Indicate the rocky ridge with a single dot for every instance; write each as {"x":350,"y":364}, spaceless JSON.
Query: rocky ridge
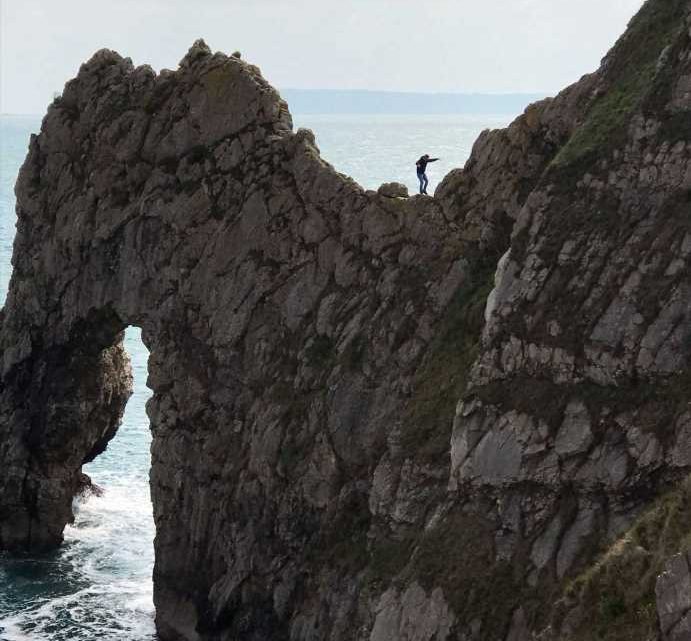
{"x":311,"y":343}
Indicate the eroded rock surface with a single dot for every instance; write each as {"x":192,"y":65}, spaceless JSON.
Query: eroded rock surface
{"x":374,"y":417}
{"x":285,"y":310}
{"x":577,"y":405}
{"x":673,"y":592}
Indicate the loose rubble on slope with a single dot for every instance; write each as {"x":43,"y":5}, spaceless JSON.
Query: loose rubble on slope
{"x":375,"y":417}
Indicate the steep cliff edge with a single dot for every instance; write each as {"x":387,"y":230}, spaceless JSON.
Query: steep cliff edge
{"x":311,"y":343}
{"x":577,"y":412}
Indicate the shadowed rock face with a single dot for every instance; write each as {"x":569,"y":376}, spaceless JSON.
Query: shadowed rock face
{"x":310,"y":343}
{"x":285,"y":310}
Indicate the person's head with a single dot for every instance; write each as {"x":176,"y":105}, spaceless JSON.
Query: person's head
{"x":426,"y":156}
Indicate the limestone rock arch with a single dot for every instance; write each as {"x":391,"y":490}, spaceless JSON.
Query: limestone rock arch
{"x":285,"y":310}
{"x":310,"y":342}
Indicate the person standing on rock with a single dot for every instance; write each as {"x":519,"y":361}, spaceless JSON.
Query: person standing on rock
{"x":421,"y":165}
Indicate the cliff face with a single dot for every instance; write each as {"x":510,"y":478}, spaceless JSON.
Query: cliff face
{"x":577,"y":412}
{"x":311,"y":344}
{"x":285,"y":310}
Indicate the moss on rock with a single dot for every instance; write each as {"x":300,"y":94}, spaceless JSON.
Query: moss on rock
{"x":632,"y":67}
{"x":616,"y":595}
{"x":442,"y":378}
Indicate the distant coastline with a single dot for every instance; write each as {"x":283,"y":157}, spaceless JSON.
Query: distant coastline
{"x":362,"y":101}
{"x":337,"y":101}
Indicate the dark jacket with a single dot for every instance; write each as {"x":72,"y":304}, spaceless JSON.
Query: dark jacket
{"x":421,"y":164}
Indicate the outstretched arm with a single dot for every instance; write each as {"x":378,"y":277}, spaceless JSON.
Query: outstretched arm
{"x":433,"y":160}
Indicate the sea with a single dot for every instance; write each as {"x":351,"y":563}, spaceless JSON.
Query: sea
{"x":98,"y":584}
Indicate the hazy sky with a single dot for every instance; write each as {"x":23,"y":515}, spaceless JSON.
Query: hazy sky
{"x":493,"y":46}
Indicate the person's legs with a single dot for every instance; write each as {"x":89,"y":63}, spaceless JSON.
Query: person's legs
{"x":421,"y":177}
{"x":424,"y":188}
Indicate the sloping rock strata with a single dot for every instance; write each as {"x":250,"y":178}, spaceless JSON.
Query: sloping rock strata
{"x":374,"y":417}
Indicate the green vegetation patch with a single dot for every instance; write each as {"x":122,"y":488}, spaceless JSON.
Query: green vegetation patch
{"x":458,"y":555}
{"x":632,"y":67}
{"x":321,"y":352}
{"x":657,"y":403}
{"x":617,"y":594}
{"x":388,"y":558}
{"x":442,"y":378}
{"x":605,"y":127}
{"x":342,"y":543}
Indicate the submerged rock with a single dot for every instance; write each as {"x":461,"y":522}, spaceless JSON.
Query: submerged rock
{"x":87,"y":488}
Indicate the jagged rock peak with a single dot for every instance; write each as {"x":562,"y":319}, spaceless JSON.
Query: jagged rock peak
{"x":104,"y":58}
{"x":198,"y":51}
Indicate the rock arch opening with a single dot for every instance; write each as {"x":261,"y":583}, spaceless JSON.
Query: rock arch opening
{"x":115,"y":531}
{"x":99,"y":582}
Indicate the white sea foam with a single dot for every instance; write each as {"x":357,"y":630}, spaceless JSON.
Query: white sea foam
{"x":98,"y":585}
